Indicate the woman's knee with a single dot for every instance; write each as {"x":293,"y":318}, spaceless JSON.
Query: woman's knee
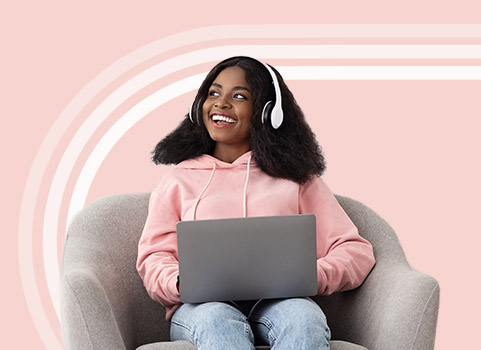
{"x":304,"y":313}
{"x":213,"y":325}
{"x":205,"y":314}
{"x":300,"y":316}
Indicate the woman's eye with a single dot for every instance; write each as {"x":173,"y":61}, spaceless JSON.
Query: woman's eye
{"x":213,"y":93}
{"x":240,"y":96}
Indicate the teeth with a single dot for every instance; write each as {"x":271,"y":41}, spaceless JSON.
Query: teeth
{"x":217,"y":118}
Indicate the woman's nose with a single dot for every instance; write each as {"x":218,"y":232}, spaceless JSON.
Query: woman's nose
{"x":221,"y":102}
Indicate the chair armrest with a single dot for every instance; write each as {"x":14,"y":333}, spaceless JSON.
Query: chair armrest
{"x":88,"y":322}
{"x":101,"y":247}
{"x":404,"y":309}
{"x":395,"y":308}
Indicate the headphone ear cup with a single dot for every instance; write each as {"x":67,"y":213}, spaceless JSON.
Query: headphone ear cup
{"x":190,"y":113}
{"x":266,"y":112}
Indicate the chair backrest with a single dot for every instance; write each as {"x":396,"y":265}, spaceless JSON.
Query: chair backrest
{"x":103,"y":238}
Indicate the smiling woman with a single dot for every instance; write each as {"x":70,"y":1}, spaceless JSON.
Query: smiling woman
{"x":231,"y":162}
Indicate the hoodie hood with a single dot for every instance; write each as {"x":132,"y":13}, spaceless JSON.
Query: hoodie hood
{"x":209,"y":162}
{"x":206,"y":162}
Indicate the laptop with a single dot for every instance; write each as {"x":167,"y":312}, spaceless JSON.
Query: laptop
{"x":247,"y":258}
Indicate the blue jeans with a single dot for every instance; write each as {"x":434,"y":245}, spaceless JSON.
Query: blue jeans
{"x":284,"y":324}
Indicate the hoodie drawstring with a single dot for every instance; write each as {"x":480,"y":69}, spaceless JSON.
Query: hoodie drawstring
{"x":245,"y":186}
{"x":244,"y":203}
{"x":202,"y":192}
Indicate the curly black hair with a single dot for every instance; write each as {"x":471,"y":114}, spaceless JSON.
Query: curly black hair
{"x":289,"y":152}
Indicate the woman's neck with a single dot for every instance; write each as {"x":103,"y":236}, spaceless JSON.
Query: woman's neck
{"x":228,"y":153}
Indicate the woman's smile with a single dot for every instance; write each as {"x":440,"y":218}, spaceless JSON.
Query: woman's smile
{"x":221,"y":120}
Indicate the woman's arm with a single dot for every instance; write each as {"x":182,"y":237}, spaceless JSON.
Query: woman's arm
{"x":157,"y":261}
{"x":344,"y":257}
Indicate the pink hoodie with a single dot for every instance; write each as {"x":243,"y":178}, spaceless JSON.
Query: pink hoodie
{"x":207,"y":188}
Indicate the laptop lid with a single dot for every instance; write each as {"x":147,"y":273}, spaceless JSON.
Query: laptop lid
{"x":247,"y":258}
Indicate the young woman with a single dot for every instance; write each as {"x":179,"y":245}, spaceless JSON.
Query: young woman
{"x":234,"y":159}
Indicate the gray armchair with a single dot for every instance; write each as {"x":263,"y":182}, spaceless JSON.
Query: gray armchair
{"x":105,"y":306}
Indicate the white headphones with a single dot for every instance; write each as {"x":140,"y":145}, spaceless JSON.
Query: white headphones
{"x":270,"y":111}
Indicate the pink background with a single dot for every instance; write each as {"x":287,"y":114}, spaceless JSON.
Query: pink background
{"x":409,"y":149}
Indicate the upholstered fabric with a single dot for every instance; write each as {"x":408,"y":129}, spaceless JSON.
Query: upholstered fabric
{"x":184,"y":345}
{"x":105,"y":306}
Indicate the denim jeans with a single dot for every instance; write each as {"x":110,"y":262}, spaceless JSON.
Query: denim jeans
{"x":284,"y":324}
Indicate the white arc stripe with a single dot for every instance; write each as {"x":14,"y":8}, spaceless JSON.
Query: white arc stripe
{"x":215,"y":54}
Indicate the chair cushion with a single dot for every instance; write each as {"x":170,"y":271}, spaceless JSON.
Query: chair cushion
{"x":174,"y":345}
{"x":185,"y":345}
{"x":344,"y":345}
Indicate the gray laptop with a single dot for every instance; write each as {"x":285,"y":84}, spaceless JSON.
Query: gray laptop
{"x":247,"y":258}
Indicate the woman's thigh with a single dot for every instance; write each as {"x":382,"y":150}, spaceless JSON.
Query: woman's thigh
{"x":211,"y":326}
{"x":294,"y":323}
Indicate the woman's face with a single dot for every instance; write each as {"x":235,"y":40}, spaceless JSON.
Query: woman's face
{"x":228,"y":109}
